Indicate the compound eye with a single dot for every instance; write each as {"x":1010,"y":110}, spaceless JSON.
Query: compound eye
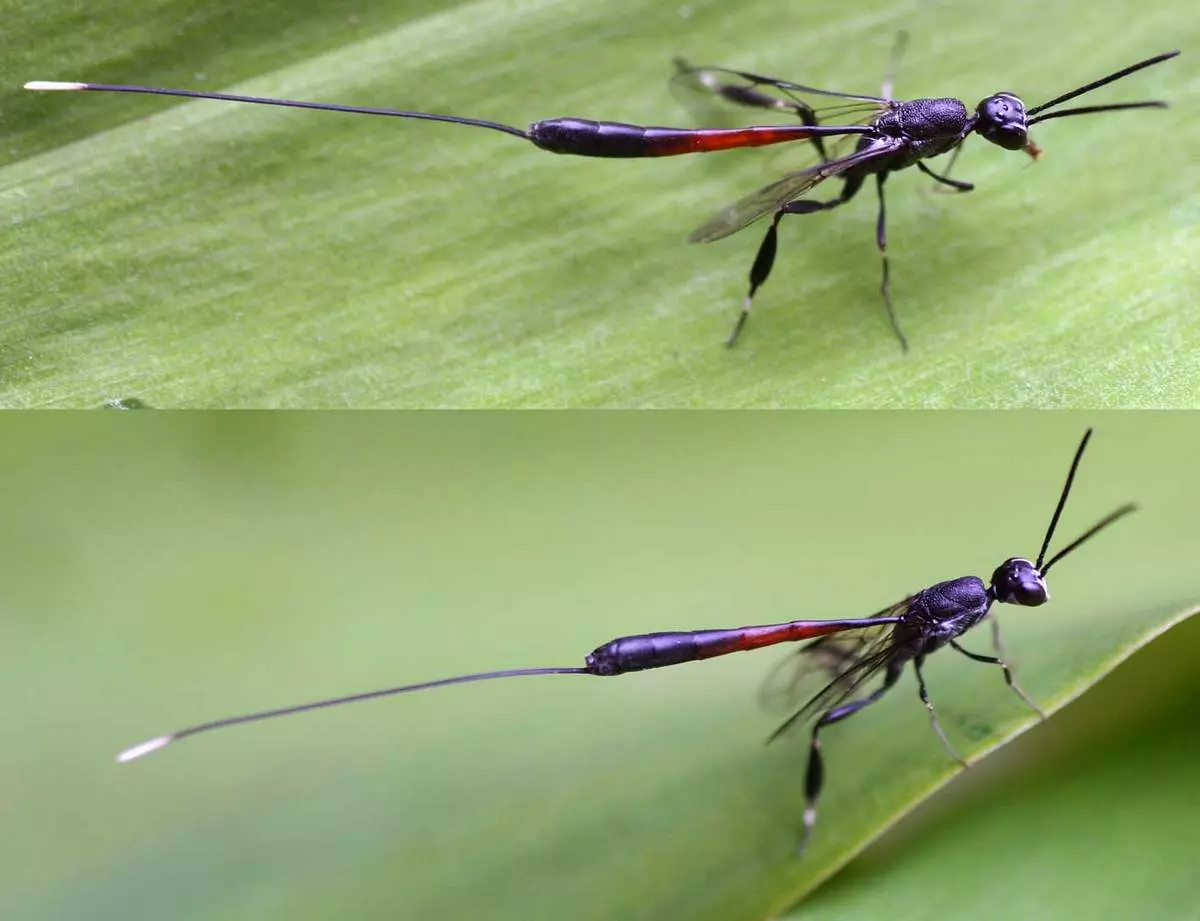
{"x":1031,"y":592}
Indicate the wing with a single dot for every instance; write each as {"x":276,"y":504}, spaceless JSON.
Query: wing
{"x":749,"y":90}
{"x":849,"y":661}
{"x":774,"y":196}
{"x":829,"y":657}
{"x":698,"y":87}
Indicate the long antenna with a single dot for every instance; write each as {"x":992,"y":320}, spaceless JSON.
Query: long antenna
{"x":1103,"y":81}
{"x":1062,"y":499}
{"x":45,"y":86}
{"x":144,"y":748}
{"x":1100,"y":525}
{"x":1088,"y":110}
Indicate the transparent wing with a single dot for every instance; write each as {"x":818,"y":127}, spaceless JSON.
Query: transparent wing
{"x":848,"y":664}
{"x":691,"y":84}
{"x":771,"y":198}
{"x":712,"y":93}
{"x":829,"y":658}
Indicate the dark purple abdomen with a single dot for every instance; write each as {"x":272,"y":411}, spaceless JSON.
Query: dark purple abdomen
{"x":586,"y":138}
{"x":583,"y":137}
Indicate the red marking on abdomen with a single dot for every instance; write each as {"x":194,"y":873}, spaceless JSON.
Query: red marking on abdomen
{"x":667,"y":142}
{"x":758,"y":637}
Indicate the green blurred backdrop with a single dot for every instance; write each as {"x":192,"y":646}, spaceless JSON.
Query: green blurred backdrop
{"x":207,"y":255}
{"x":162,"y":570}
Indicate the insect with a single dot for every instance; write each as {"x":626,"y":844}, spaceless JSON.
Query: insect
{"x":891,"y":136}
{"x":851,"y":652}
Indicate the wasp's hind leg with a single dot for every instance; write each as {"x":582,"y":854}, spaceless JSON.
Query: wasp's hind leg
{"x":765,"y":260}
{"x":814,"y":775}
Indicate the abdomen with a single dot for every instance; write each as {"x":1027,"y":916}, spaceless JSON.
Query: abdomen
{"x":582,"y":137}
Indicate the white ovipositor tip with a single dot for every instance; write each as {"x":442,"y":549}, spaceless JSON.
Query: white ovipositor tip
{"x":144,"y":749}
{"x":51,"y":85}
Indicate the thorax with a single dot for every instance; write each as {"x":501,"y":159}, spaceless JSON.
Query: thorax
{"x":947,"y":610}
{"x":930,"y":126}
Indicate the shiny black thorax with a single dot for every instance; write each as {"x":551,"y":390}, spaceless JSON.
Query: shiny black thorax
{"x":941,"y":613}
{"x":929,"y":127}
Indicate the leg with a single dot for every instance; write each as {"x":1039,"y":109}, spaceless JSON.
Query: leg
{"x":814,"y":775}
{"x":945,"y":179}
{"x":995,"y":660}
{"x":881,"y":241}
{"x":937,"y":727}
{"x":765,"y":259}
{"x":997,"y":642}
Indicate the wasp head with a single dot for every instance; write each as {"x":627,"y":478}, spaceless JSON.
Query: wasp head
{"x":1018,"y":581}
{"x":1001,"y":120}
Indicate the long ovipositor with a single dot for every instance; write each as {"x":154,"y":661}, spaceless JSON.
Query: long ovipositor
{"x":624,"y":654}
{"x":581,"y":137}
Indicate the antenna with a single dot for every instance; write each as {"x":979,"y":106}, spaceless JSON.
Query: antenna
{"x":1087,"y":110}
{"x":1096,"y":84}
{"x":1100,"y":525}
{"x":1062,"y":501}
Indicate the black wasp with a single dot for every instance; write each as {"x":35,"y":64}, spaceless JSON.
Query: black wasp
{"x":891,"y":136}
{"x":851,"y":651}
{"x":899,"y":134}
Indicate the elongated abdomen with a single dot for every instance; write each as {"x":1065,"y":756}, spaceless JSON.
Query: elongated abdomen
{"x":584,"y":138}
{"x":656,"y":650}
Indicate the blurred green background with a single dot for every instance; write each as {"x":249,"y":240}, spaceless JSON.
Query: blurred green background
{"x":215,"y":255}
{"x":163,"y":570}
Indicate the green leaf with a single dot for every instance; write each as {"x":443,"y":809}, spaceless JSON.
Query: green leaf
{"x":165,"y":569}
{"x":207,"y":254}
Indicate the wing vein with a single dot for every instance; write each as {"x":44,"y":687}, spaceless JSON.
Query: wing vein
{"x":772,"y":197}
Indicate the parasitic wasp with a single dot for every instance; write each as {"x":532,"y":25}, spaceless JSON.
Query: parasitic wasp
{"x":890,"y":134}
{"x":850,"y":652}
